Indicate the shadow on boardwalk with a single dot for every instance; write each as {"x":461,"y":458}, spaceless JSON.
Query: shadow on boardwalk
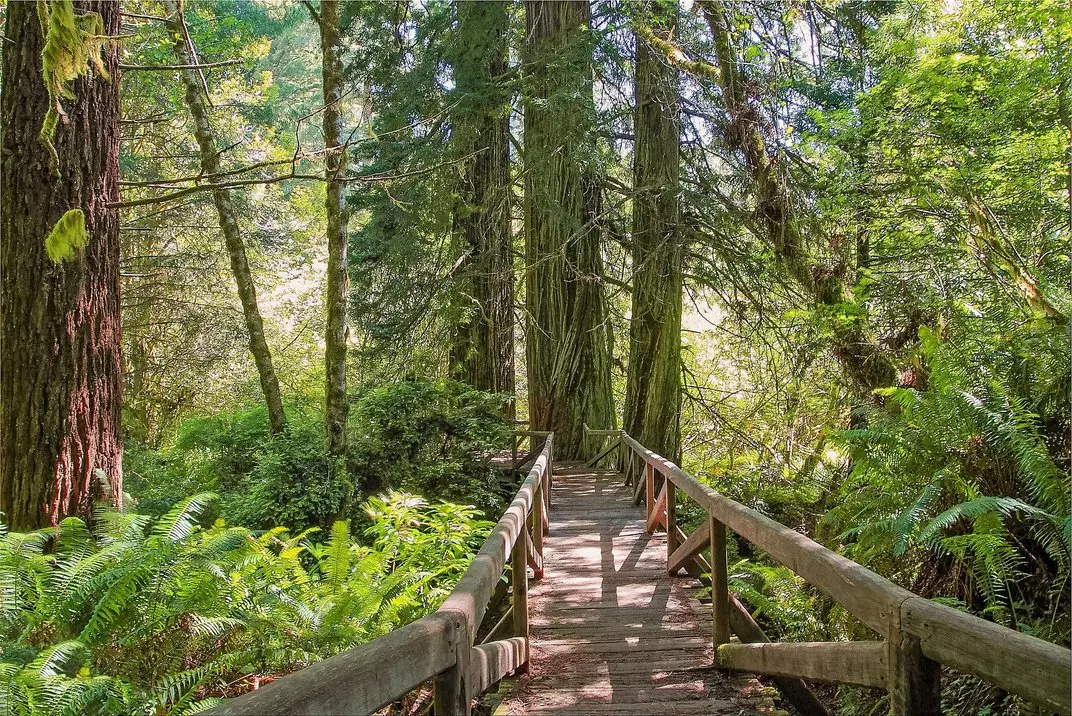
{"x":612,"y":633}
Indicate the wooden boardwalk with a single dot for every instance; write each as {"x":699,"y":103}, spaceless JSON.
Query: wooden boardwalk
{"x":611,"y":632}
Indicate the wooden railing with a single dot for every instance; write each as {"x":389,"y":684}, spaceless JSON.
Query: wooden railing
{"x":918,"y":635}
{"x":442,"y":646}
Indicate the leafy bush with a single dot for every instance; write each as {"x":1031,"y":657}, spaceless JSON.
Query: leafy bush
{"x":164,"y":616}
{"x":429,"y":437}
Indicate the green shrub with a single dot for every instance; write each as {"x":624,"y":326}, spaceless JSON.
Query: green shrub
{"x":429,"y":437}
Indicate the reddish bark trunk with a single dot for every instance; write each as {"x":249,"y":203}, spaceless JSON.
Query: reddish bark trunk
{"x":60,"y":351}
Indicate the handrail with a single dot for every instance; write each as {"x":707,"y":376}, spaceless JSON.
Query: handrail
{"x":919,"y":633}
{"x":441,"y":646}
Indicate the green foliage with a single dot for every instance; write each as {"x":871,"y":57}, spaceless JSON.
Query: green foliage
{"x":431,"y":438}
{"x":427,"y":437}
{"x":164,"y":616}
{"x":962,"y":472}
{"x":67,"y":236}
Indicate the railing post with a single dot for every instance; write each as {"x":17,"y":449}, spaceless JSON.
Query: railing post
{"x":720,"y":591}
{"x":649,"y":488}
{"x":519,"y":580}
{"x":451,"y":688}
{"x":671,"y":521}
{"x":536,"y":523}
{"x":513,"y":452}
{"x":915,"y":683}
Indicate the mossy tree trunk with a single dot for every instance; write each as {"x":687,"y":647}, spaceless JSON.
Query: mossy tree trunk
{"x":60,"y":349}
{"x":864,"y":362}
{"x":482,"y":352}
{"x":336,"y":409}
{"x":196,"y":104}
{"x":568,"y":335}
{"x":653,"y":388}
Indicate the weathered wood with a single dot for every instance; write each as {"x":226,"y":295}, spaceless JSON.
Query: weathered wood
{"x":536,"y":523}
{"x":490,"y":662}
{"x":609,"y":627}
{"x":657,"y":515}
{"x":865,"y":594}
{"x":519,"y":580}
{"x":452,"y":689}
{"x":691,"y":546}
{"x":720,"y":589}
{"x":360,"y":680}
{"x":649,"y":489}
{"x":915,"y":682}
{"x":671,"y":523}
{"x":849,"y":662}
{"x":1032,"y":668}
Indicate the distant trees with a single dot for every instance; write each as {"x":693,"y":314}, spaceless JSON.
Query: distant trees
{"x":197,"y":105}
{"x":60,"y":351}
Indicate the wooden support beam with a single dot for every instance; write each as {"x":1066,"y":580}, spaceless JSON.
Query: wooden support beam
{"x":863,"y":663}
{"x":638,"y":490}
{"x":671,"y":522}
{"x":691,"y":546}
{"x":536,"y":522}
{"x":502,"y":629}
{"x":657,"y":515}
{"x":747,"y":630}
{"x":720,"y":588}
{"x":915,"y":682}
{"x":649,"y":489}
{"x":519,"y":580}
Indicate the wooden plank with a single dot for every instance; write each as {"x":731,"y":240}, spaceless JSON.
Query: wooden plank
{"x":720,"y":589}
{"x":649,"y":488}
{"x":1028,"y":667}
{"x":747,"y":630}
{"x":359,"y":680}
{"x":691,"y":546}
{"x":492,"y":661}
{"x":850,"y":662}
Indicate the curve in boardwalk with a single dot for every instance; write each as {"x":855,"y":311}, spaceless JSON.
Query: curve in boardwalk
{"x":611,"y":632}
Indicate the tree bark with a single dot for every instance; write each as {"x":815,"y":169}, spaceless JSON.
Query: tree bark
{"x":568,"y":335}
{"x":482,"y":353}
{"x":61,"y":355}
{"x":336,"y":409}
{"x":653,"y":386}
{"x":236,"y":249}
{"x":863,"y":361}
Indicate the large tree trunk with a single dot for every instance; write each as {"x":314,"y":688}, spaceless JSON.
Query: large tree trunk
{"x":568,"y":335}
{"x":236,"y":249}
{"x":336,"y":409}
{"x":653,"y":388}
{"x":60,"y":349}
{"x":482,"y":353}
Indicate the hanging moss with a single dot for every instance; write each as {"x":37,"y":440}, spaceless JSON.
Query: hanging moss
{"x":73,"y":41}
{"x":68,"y":236}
